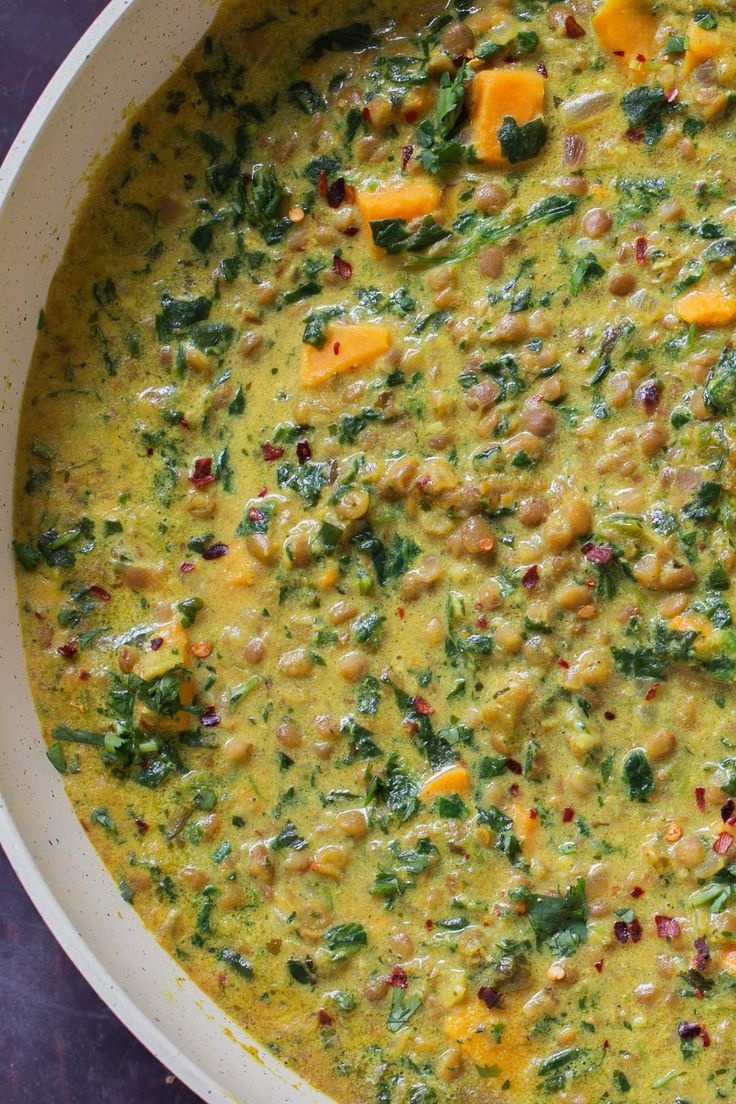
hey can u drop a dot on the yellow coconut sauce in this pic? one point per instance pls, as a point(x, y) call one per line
point(375, 532)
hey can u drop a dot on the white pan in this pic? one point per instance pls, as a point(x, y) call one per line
point(126, 55)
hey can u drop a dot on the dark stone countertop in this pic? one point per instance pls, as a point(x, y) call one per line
point(58, 1042)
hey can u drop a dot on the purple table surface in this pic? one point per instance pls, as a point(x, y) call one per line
point(58, 1042)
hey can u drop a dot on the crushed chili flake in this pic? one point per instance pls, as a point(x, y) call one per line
point(514, 766)
point(533, 814)
point(599, 965)
point(422, 705)
point(68, 650)
point(481, 622)
point(490, 997)
point(609, 715)
point(156, 643)
point(272, 452)
point(141, 825)
point(637, 891)
point(700, 798)
point(667, 927)
point(202, 473)
point(210, 717)
point(149, 452)
point(341, 268)
point(530, 578)
point(640, 250)
point(635, 930)
point(651, 692)
point(324, 1018)
point(407, 153)
point(641, 58)
point(514, 789)
point(214, 552)
point(186, 567)
point(351, 231)
point(597, 553)
point(429, 924)
point(563, 664)
point(398, 978)
point(634, 134)
point(704, 1037)
point(723, 843)
point(621, 931)
point(671, 95)
point(99, 592)
point(84, 675)
point(336, 348)
point(686, 1029)
point(573, 28)
point(322, 185)
point(303, 451)
point(727, 809)
point(568, 814)
point(401, 612)
point(336, 192)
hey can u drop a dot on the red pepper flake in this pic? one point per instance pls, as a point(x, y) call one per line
point(640, 250)
point(641, 58)
point(411, 115)
point(723, 843)
point(141, 825)
point(700, 798)
point(422, 705)
point(209, 718)
point(609, 715)
point(514, 789)
point(429, 924)
point(149, 452)
point(184, 423)
point(186, 567)
point(214, 552)
point(573, 28)
point(156, 643)
point(324, 1018)
point(68, 650)
point(671, 95)
point(533, 814)
point(341, 268)
point(568, 814)
point(618, 53)
point(651, 692)
point(407, 153)
point(84, 675)
point(542, 70)
point(634, 134)
point(688, 1030)
point(490, 997)
point(336, 193)
point(202, 473)
point(530, 578)
point(597, 553)
point(563, 664)
point(701, 958)
point(514, 766)
point(322, 186)
point(606, 1044)
point(303, 451)
point(336, 348)
point(271, 452)
point(635, 930)
point(99, 592)
point(727, 810)
point(482, 622)
point(636, 892)
point(599, 965)
point(262, 493)
point(401, 612)
point(398, 977)
point(667, 927)
point(365, 112)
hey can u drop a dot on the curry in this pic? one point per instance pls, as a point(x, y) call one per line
point(376, 541)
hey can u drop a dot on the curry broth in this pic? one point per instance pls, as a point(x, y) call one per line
point(375, 536)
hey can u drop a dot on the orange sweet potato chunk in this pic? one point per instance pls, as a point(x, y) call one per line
point(706, 307)
point(626, 28)
point(401, 201)
point(496, 94)
point(347, 347)
point(702, 45)
point(454, 779)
